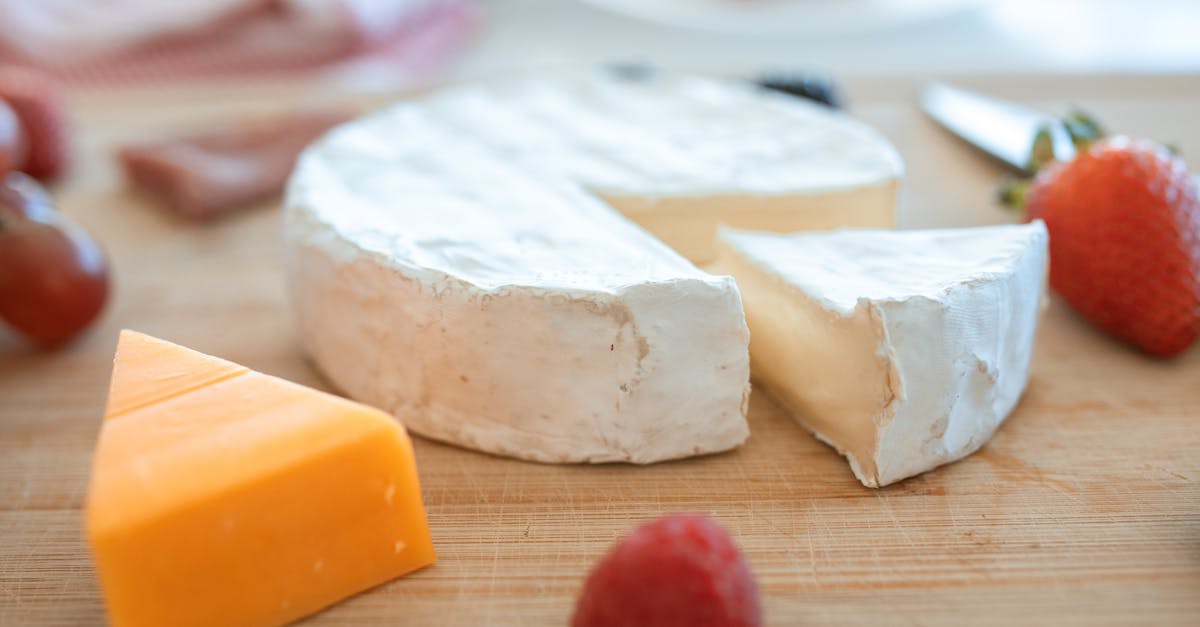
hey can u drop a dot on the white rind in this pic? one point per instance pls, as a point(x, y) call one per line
point(669, 136)
point(948, 316)
point(494, 309)
point(474, 367)
point(454, 261)
point(679, 156)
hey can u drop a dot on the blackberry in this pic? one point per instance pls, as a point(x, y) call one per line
point(816, 87)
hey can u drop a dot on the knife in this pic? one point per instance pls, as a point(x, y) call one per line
point(1022, 138)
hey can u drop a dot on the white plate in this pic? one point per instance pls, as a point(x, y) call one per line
point(787, 17)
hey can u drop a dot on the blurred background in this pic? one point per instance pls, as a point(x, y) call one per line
point(165, 86)
point(845, 37)
point(390, 43)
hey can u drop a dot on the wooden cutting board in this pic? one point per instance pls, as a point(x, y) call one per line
point(1084, 509)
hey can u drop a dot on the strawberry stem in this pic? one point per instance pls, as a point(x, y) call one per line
point(1012, 193)
point(1042, 151)
point(1083, 128)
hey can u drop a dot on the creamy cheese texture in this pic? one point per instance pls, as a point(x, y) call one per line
point(904, 350)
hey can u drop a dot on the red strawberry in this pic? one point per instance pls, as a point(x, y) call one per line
point(40, 105)
point(678, 570)
point(1124, 222)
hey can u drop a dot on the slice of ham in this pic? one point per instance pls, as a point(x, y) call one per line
point(102, 42)
point(205, 177)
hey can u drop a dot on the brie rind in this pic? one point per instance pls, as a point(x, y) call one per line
point(904, 350)
point(681, 155)
point(492, 309)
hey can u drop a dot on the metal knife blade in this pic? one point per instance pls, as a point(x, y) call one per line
point(1002, 129)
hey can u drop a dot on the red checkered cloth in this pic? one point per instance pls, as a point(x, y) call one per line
point(121, 41)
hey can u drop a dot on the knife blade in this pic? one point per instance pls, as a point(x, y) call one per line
point(1021, 137)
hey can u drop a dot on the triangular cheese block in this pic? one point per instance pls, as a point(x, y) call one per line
point(222, 496)
point(905, 350)
point(148, 370)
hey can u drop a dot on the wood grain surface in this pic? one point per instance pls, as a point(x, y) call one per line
point(1084, 509)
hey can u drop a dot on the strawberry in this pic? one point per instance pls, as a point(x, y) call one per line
point(1124, 222)
point(679, 570)
point(40, 106)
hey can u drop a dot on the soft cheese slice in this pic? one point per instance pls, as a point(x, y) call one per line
point(681, 155)
point(221, 496)
point(903, 349)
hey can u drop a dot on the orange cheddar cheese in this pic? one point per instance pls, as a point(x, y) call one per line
point(223, 496)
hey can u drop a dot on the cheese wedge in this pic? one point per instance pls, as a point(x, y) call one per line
point(904, 350)
point(222, 496)
point(463, 263)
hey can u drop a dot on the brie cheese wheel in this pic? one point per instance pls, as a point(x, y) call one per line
point(904, 350)
point(680, 155)
point(462, 261)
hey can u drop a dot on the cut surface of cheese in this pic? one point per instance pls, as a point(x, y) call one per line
point(459, 262)
point(222, 496)
point(904, 350)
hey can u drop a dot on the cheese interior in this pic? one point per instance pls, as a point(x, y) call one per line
point(689, 223)
point(903, 349)
point(825, 366)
